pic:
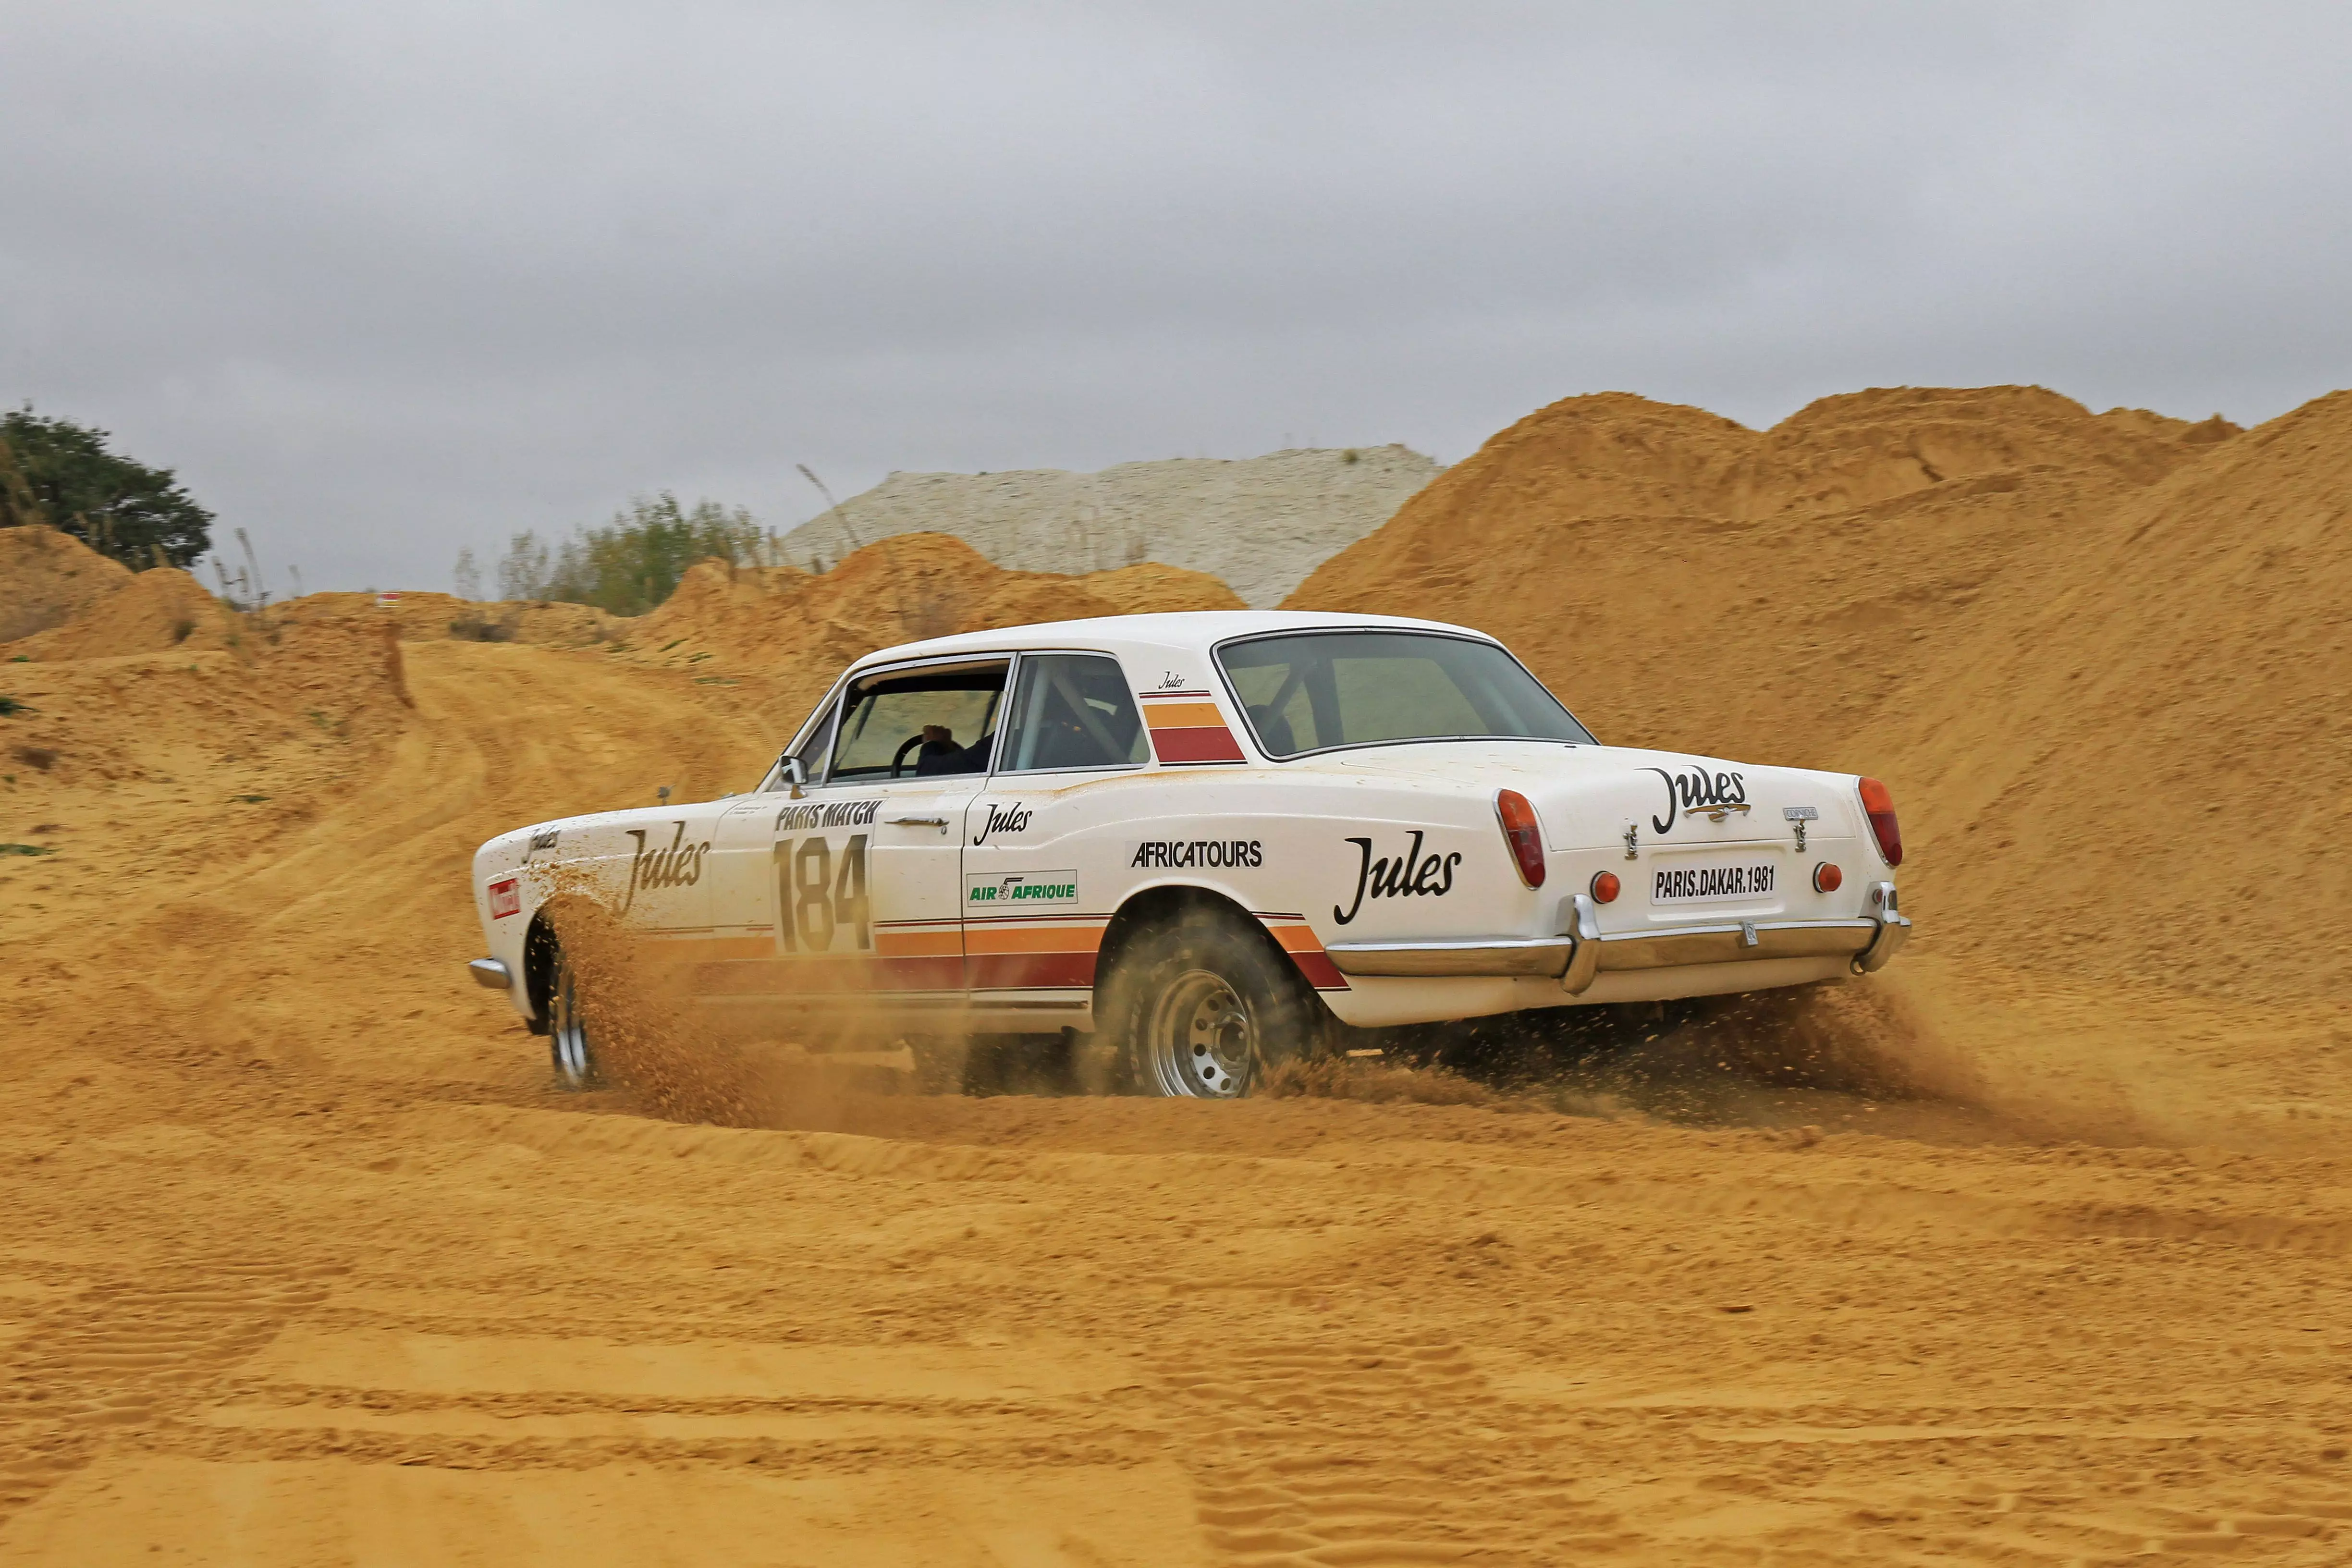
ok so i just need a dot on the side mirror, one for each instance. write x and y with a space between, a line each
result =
796 770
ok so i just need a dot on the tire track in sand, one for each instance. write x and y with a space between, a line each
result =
136 1350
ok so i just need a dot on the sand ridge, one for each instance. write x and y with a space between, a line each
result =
306 1263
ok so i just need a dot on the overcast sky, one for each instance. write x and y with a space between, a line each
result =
381 282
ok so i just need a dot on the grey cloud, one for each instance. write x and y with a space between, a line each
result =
385 281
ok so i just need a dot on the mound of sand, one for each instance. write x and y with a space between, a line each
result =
64 600
2099 657
797 629
329 689
1685 581
155 612
47 577
2146 736
1260 524
756 618
433 617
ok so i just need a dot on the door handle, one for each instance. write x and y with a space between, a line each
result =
938 822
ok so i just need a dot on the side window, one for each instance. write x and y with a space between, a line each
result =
919 722
1074 710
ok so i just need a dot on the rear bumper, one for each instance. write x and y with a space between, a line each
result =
1541 958
1582 953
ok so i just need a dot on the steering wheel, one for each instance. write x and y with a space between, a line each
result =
899 757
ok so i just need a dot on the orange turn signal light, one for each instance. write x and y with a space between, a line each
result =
1604 886
1827 878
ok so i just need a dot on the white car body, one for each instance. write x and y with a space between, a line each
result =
984 901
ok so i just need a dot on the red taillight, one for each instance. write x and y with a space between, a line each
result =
1522 834
1879 804
1827 878
1604 886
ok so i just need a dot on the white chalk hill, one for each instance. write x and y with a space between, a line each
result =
1261 524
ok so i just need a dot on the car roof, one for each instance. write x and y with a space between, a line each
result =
1192 631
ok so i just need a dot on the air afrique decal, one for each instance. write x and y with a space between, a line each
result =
1020 890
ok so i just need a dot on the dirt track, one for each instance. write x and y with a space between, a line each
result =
304 1263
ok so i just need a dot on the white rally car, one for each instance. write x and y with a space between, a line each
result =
1191 841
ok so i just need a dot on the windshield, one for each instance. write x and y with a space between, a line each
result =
1308 691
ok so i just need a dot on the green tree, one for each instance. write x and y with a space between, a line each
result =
633 562
56 472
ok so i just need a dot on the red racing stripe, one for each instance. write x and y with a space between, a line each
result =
1197 746
1032 971
793 977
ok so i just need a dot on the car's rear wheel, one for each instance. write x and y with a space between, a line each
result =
1205 1008
569 1044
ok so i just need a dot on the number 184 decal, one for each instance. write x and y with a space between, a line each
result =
816 903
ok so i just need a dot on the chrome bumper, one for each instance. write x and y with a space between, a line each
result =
1542 958
492 973
1581 954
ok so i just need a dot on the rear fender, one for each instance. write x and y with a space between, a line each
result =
1156 908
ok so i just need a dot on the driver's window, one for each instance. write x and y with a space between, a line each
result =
919 723
811 753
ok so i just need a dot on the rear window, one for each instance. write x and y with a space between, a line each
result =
1309 691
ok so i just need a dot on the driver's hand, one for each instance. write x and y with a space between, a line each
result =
938 732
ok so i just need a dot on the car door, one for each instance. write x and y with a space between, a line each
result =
1038 892
843 894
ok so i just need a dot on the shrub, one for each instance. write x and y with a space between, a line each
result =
482 628
633 562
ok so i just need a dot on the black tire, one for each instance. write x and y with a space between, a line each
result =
992 1064
569 1045
940 1062
1203 1009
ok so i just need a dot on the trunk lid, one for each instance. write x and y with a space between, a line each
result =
1587 796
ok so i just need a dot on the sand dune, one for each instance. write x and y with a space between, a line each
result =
2024 1252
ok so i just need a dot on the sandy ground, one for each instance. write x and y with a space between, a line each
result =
305 1263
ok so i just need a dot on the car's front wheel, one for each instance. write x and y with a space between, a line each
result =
568 1040
1205 1008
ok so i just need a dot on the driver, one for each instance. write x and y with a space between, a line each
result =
941 754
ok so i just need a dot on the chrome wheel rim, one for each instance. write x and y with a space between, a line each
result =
1202 1043
567 1033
